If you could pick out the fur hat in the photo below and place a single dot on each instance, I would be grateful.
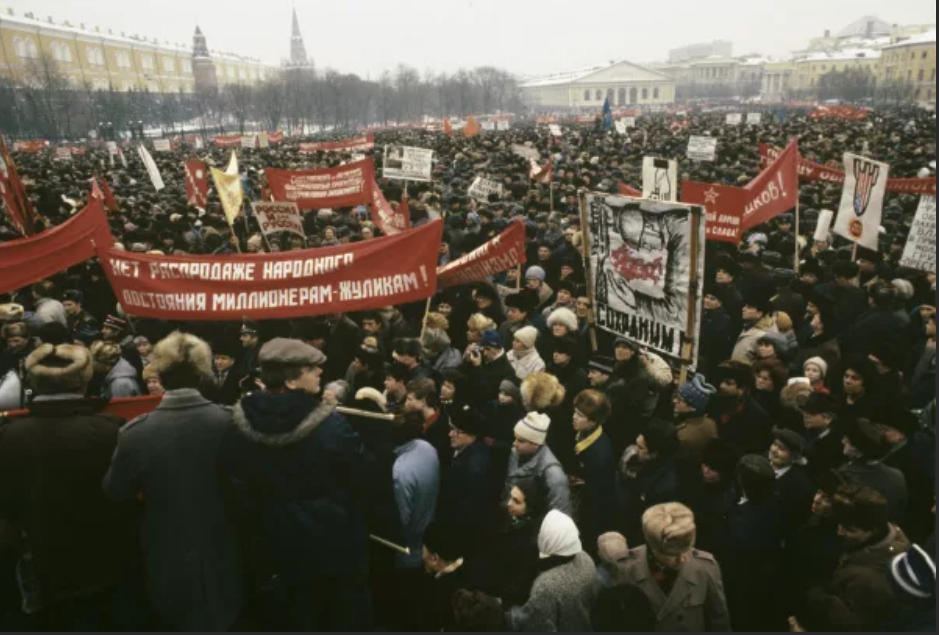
(55, 370)
(669, 529)
(11, 313)
(819, 362)
(794, 396)
(479, 322)
(370, 394)
(182, 349)
(533, 428)
(542, 391)
(563, 316)
(528, 336)
(521, 301)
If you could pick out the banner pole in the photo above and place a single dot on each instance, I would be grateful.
(426, 316)
(591, 292)
(694, 297)
(235, 236)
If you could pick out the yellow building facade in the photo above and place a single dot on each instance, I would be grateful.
(913, 61)
(102, 60)
(810, 69)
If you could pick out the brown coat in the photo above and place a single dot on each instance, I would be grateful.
(860, 596)
(695, 433)
(697, 602)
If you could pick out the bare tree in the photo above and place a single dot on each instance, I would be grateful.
(271, 101)
(239, 99)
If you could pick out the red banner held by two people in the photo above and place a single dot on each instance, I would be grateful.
(345, 186)
(358, 144)
(355, 277)
(505, 251)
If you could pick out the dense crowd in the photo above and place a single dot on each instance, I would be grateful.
(494, 464)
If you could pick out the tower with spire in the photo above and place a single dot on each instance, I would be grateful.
(298, 58)
(203, 67)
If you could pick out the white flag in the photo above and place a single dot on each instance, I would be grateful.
(152, 169)
(232, 169)
(120, 153)
(862, 202)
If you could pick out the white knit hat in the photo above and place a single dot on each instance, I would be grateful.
(559, 537)
(528, 336)
(817, 361)
(533, 428)
(563, 316)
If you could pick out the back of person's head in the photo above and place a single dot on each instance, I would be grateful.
(476, 612)
(669, 529)
(44, 289)
(425, 390)
(442, 542)
(756, 477)
(54, 333)
(883, 294)
(623, 609)
(58, 370)
(106, 353)
(182, 361)
(594, 405)
(662, 438)
(861, 508)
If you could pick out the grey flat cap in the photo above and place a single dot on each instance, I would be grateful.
(286, 352)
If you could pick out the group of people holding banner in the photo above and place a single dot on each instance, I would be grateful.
(582, 378)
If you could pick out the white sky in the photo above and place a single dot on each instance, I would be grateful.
(522, 36)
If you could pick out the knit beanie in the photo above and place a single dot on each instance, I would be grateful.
(559, 537)
(528, 336)
(669, 529)
(817, 361)
(536, 273)
(509, 388)
(697, 393)
(563, 316)
(533, 428)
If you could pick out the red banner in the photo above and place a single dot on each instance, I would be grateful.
(128, 408)
(345, 186)
(724, 206)
(775, 191)
(540, 174)
(25, 261)
(29, 147)
(358, 144)
(14, 193)
(109, 202)
(276, 137)
(626, 190)
(505, 251)
(197, 183)
(355, 277)
(849, 113)
(809, 171)
(228, 141)
(386, 218)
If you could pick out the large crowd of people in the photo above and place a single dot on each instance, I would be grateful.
(496, 463)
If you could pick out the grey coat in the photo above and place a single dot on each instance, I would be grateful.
(121, 381)
(696, 603)
(169, 456)
(561, 600)
(546, 468)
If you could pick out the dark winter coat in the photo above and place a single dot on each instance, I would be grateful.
(850, 301)
(515, 561)
(743, 424)
(634, 396)
(795, 493)
(484, 380)
(875, 327)
(597, 468)
(465, 505)
(825, 453)
(718, 337)
(657, 483)
(887, 480)
(916, 459)
(811, 556)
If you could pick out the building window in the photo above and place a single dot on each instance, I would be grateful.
(645, 94)
(123, 59)
(25, 48)
(622, 96)
(586, 95)
(61, 52)
(922, 75)
(655, 93)
(147, 62)
(95, 56)
(101, 84)
(169, 66)
(187, 67)
(932, 76)
(599, 95)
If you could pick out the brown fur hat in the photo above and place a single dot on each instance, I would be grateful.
(182, 349)
(542, 391)
(796, 395)
(56, 370)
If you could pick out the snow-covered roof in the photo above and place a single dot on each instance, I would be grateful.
(846, 54)
(715, 59)
(566, 77)
(859, 27)
(620, 70)
(929, 37)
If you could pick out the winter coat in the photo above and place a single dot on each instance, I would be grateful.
(745, 349)
(825, 453)
(561, 601)
(658, 482)
(547, 469)
(696, 602)
(811, 556)
(875, 327)
(51, 465)
(526, 364)
(449, 359)
(717, 337)
(634, 395)
(850, 301)
(49, 310)
(193, 564)
(695, 432)
(792, 304)
(860, 596)
(298, 474)
(887, 480)
(121, 381)
(916, 459)
(465, 495)
(484, 380)
(743, 424)
(596, 466)
(923, 379)
(795, 493)
(416, 476)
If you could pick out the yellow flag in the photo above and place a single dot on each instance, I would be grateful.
(232, 168)
(229, 191)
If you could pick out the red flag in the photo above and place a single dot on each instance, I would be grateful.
(109, 201)
(387, 219)
(197, 184)
(95, 190)
(542, 174)
(404, 210)
(626, 190)
(472, 127)
(14, 193)
(724, 206)
(447, 128)
(775, 191)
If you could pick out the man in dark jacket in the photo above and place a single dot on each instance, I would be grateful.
(741, 421)
(877, 326)
(717, 329)
(727, 272)
(866, 447)
(824, 448)
(787, 300)
(850, 300)
(51, 465)
(794, 489)
(298, 474)
(487, 368)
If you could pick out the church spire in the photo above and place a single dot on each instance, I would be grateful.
(200, 47)
(297, 48)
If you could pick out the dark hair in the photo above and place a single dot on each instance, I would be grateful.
(276, 376)
(860, 508)
(661, 438)
(44, 289)
(54, 333)
(535, 496)
(425, 390)
(397, 372)
(476, 612)
(441, 541)
(776, 369)
(408, 429)
(594, 405)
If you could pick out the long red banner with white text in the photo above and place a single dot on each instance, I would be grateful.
(809, 171)
(358, 144)
(505, 251)
(346, 186)
(356, 277)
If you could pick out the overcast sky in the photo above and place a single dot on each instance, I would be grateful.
(522, 36)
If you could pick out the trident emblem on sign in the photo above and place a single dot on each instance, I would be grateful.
(866, 177)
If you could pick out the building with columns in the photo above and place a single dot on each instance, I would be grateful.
(625, 84)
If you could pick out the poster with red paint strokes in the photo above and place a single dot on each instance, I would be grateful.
(646, 287)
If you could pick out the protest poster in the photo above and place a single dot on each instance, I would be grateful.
(197, 184)
(357, 144)
(162, 145)
(249, 142)
(228, 141)
(630, 122)
(409, 164)
(646, 271)
(279, 217)
(505, 251)
(342, 279)
(754, 118)
(489, 126)
(526, 153)
(482, 188)
(809, 171)
(723, 205)
(555, 130)
(734, 119)
(276, 137)
(862, 201)
(112, 148)
(343, 186)
(620, 126)
(702, 148)
(503, 125)
(63, 154)
(920, 250)
(389, 220)
(659, 179)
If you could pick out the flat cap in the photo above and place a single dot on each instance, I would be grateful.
(281, 351)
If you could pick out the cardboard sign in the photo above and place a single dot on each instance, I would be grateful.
(162, 145)
(408, 164)
(659, 179)
(920, 250)
(734, 119)
(489, 126)
(555, 130)
(264, 141)
(279, 217)
(249, 142)
(482, 188)
(754, 118)
(526, 153)
(63, 154)
(620, 126)
(503, 125)
(702, 148)
(862, 201)
(630, 122)
(112, 148)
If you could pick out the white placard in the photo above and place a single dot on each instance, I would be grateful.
(555, 130)
(630, 122)
(162, 145)
(409, 164)
(620, 126)
(112, 148)
(526, 153)
(920, 250)
(754, 118)
(502, 126)
(489, 126)
(63, 154)
(862, 201)
(734, 119)
(249, 142)
(264, 141)
(702, 148)
(482, 188)
(279, 217)
(823, 229)
(660, 180)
